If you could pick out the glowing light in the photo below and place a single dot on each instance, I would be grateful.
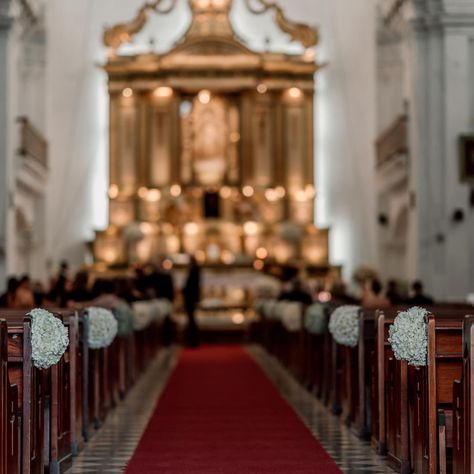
(248, 191)
(110, 255)
(143, 192)
(167, 264)
(280, 192)
(163, 92)
(324, 297)
(262, 88)
(191, 228)
(204, 97)
(235, 137)
(251, 228)
(227, 257)
(146, 228)
(153, 195)
(113, 191)
(271, 195)
(127, 92)
(310, 191)
(295, 93)
(238, 318)
(261, 253)
(225, 192)
(175, 190)
(200, 256)
(258, 265)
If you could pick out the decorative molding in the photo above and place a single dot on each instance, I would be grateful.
(32, 143)
(302, 33)
(208, 18)
(393, 142)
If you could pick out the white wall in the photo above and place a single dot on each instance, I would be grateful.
(77, 114)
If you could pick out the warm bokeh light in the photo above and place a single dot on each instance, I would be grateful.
(175, 190)
(262, 88)
(153, 195)
(238, 318)
(204, 97)
(248, 191)
(113, 191)
(225, 192)
(261, 253)
(295, 93)
(191, 228)
(251, 228)
(163, 92)
(258, 264)
(324, 297)
(127, 92)
(142, 192)
(167, 264)
(227, 257)
(280, 192)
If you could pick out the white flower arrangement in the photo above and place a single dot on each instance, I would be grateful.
(408, 336)
(102, 327)
(142, 315)
(258, 305)
(316, 321)
(268, 309)
(344, 325)
(290, 315)
(124, 316)
(160, 308)
(49, 338)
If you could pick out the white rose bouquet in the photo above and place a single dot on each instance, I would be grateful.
(102, 327)
(408, 336)
(49, 338)
(344, 325)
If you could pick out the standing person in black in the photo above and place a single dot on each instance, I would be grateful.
(192, 295)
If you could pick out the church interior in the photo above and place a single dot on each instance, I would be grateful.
(236, 236)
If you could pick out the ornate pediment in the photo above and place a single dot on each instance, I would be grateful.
(211, 29)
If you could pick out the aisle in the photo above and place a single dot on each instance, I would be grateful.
(220, 414)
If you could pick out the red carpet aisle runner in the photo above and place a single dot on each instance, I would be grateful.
(220, 414)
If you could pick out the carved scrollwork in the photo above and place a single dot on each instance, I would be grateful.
(124, 32)
(304, 34)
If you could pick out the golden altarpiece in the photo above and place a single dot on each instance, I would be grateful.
(211, 146)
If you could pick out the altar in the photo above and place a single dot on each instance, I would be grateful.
(212, 147)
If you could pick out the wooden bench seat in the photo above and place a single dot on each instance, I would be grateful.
(463, 396)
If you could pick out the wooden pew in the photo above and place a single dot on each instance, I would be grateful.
(463, 395)
(4, 386)
(30, 383)
(400, 392)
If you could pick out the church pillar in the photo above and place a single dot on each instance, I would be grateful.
(5, 24)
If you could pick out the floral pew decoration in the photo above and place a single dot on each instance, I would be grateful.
(102, 327)
(124, 315)
(344, 325)
(408, 336)
(315, 319)
(142, 315)
(49, 338)
(160, 309)
(289, 313)
(268, 309)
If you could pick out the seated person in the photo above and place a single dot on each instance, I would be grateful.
(373, 299)
(419, 298)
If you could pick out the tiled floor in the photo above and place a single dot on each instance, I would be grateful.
(113, 445)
